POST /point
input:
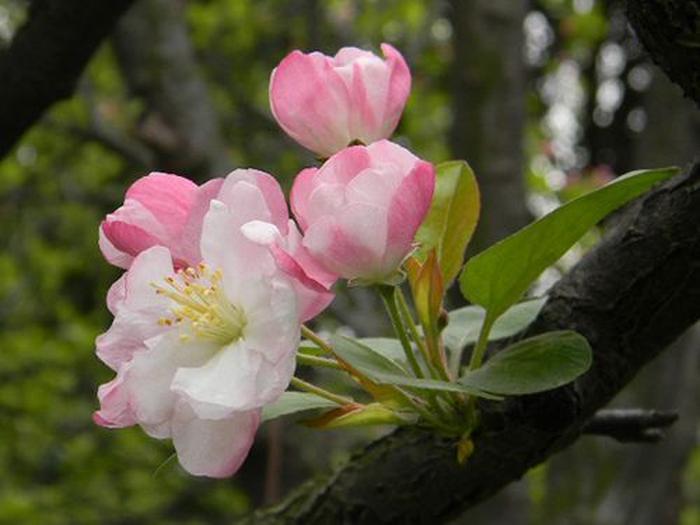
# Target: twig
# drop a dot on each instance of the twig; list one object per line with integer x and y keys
{"x": 631, "y": 425}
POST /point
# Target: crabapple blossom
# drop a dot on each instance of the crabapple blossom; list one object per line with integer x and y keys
{"x": 168, "y": 210}
{"x": 326, "y": 103}
{"x": 200, "y": 350}
{"x": 361, "y": 209}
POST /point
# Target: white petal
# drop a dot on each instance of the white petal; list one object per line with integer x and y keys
{"x": 272, "y": 316}
{"x": 151, "y": 374}
{"x": 234, "y": 379}
{"x": 214, "y": 448}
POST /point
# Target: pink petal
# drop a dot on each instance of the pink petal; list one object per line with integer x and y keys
{"x": 310, "y": 102}
{"x": 214, "y": 448}
{"x": 168, "y": 197}
{"x": 304, "y": 184}
{"x": 387, "y": 152}
{"x": 347, "y": 55}
{"x": 272, "y": 193}
{"x": 126, "y": 238}
{"x": 111, "y": 253}
{"x": 407, "y": 211}
{"x": 352, "y": 243}
{"x": 187, "y": 250}
{"x": 115, "y": 411}
{"x": 342, "y": 167}
{"x": 399, "y": 88}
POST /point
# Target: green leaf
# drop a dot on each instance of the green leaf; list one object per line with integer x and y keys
{"x": 385, "y": 371}
{"x": 465, "y": 323}
{"x": 360, "y": 416}
{"x": 292, "y": 402}
{"x": 363, "y": 358}
{"x": 500, "y": 275}
{"x": 533, "y": 365}
{"x": 434, "y": 385}
{"x": 452, "y": 217}
{"x": 389, "y": 348}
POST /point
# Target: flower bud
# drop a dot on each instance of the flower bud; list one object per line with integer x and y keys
{"x": 361, "y": 209}
{"x": 327, "y": 103}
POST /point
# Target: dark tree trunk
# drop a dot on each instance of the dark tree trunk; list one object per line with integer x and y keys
{"x": 46, "y": 58}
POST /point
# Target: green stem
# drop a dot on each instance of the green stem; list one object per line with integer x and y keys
{"x": 388, "y": 294}
{"x": 312, "y": 360}
{"x": 408, "y": 318}
{"x": 313, "y": 389}
{"x": 314, "y": 338}
{"x": 481, "y": 343}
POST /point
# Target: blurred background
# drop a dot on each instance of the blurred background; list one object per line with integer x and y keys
{"x": 545, "y": 99}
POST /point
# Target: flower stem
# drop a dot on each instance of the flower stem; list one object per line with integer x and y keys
{"x": 312, "y": 360}
{"x": 316, "y": 339}
{"x": 481, "y": 343}
{"x": 408, "y": 319}
{"x": 322, "y": 392}
{"x": 388, "y": 294}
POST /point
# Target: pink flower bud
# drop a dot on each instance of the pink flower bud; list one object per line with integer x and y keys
{"x": 327, "y": 103}
{"x": 361, "y": 209}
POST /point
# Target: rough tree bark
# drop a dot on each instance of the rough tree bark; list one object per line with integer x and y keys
{"x": 158, "y": 62}
{"x": 47, "y": 56}
{"x": 668, "y": 29}
{"x": 631, "y": 297}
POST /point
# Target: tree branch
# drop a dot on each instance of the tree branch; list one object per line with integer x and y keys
{"x": 631, "y": 296}
{"x": 46, "y": 58}
{"x": 634, "y": 425}
{"x": 669, "y": 31}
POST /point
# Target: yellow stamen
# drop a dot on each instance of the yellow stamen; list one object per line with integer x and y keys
{"x": 201, "y": 307}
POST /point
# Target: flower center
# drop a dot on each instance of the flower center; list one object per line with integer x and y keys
{"x": 201, "y": 306}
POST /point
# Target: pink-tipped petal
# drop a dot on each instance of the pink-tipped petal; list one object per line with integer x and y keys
{"x": 213, "y": 448}
{"x": 114, "y": 411}
{"x": 188, "y": 248}
{"x": 407, "y": 210}
{"x": 352, "y": 244}
{"x": 168, "y": 197}
{"x": 127, "y": 238}
{"x": 310, "y": 102}
{"x": 111, "y": 253}
{"x": 399, "y": 88}
{"x": 277, "y": 212}
{"x": 299, "y": 196}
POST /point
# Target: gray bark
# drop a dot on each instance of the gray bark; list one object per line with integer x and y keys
{"x": 157, "y": 59}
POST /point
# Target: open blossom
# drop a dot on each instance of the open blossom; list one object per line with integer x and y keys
{"x": 167, "y": 210}
{"x": 198, "y": 351}
{"x": 325, "y": 103}
{"x": 360, "y": 211}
